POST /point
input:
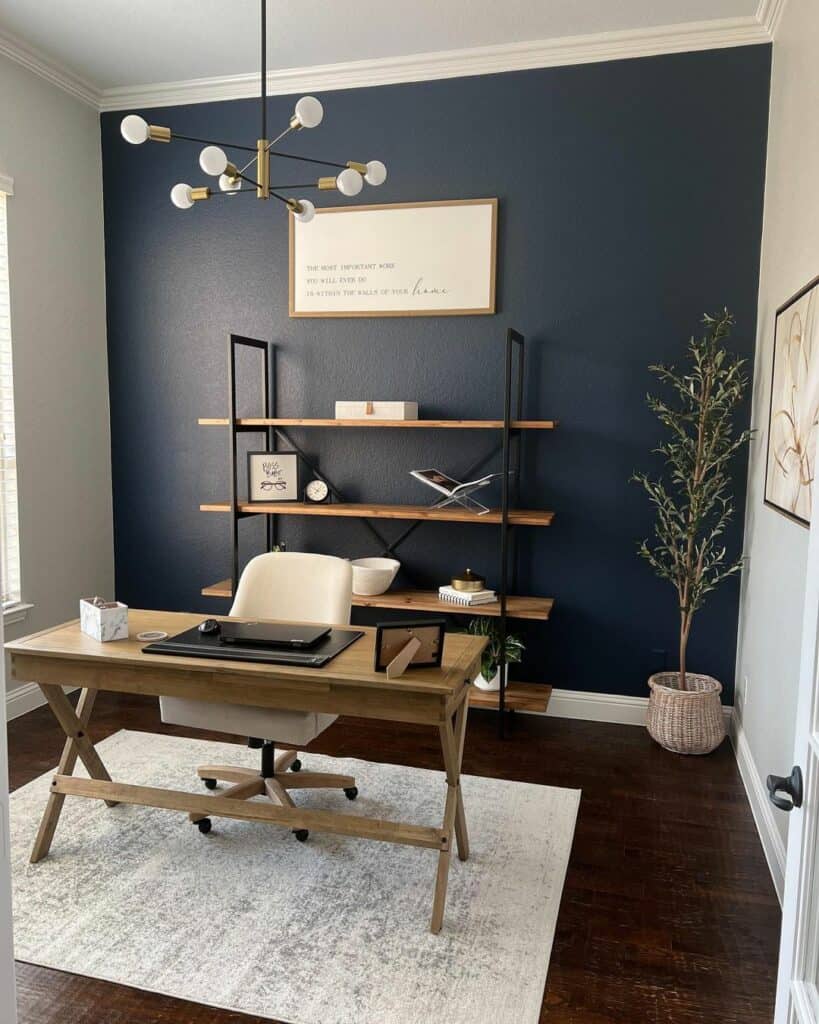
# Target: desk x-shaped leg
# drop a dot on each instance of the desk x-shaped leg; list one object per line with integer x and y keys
{"x": 453, "y": 733}
{"x": 77, "y": 744}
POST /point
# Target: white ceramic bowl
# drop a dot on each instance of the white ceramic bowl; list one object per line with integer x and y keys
{"x": 373, "y": 576}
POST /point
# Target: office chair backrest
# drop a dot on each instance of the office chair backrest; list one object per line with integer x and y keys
{"x": 297, "y": 586}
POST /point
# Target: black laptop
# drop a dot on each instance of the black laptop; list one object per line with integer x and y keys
{"x": 271, "y": 634}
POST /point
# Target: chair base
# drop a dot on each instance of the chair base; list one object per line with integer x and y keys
{"x": 273, "y": 782}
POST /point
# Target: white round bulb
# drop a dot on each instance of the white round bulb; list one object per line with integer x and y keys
{"x": 308, "y": 211}
{"x": 350, "y": 182}
{"x": 213, "y": 161}
{"x": 228, "y": 184}
{"x": 181, "y": 196}
{"x": 134, "y": 129}
{"x": 309, "y": 112}
{"x": 376, "y": 173}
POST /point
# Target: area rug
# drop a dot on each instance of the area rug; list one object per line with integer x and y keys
{"x": 331, "y": 931}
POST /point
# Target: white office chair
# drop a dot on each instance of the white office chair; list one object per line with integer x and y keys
{"x": 278, "y": 585}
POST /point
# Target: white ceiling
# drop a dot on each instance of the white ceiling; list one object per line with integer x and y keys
{"x": 120, "y": 43}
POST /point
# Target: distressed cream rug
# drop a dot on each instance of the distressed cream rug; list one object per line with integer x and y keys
{"x": 331, "y": 931}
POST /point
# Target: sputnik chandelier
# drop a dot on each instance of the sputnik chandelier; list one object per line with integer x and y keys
{"x": 347, "y": 178}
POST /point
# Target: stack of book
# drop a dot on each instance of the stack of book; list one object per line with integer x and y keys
{"x": 467, "y": 598}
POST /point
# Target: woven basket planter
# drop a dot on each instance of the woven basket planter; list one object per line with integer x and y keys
{"x": 685, "y": 721}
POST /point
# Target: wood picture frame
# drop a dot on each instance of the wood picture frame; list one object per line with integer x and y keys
{"x": 392, "y": 637}
{"x": 458, "y": 236}
{"x": 793, "y": 412}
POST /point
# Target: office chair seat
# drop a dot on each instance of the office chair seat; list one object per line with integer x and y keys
{"x": 278, "y": 585}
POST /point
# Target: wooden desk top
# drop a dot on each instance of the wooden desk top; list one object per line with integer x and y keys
{"x": 353, "y": 667}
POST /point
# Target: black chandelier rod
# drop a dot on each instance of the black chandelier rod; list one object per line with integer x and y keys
{"x": 264, "y": 70}
{"x": 210, "y": 142}
{"x": 306, "y": 159}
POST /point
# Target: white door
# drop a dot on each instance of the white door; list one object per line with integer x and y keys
{"x": 7, "y": 997}
{"x": 797, "y": 994}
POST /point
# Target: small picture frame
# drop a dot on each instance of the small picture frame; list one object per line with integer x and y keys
{"x": 392, "y": 637}
{"x": 272, "y": 476}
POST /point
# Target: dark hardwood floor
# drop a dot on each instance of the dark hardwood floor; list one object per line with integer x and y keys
{"x": 668, "y": 915}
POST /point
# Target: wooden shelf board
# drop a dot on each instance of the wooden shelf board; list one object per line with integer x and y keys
{"x": 520, "y": 696}
{"x": 517, "y": 517}
{"x": 418, "y": 424}
{"x": 427, "y": 601}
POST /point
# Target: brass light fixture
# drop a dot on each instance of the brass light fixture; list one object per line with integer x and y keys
{"x": 348, "y": 178}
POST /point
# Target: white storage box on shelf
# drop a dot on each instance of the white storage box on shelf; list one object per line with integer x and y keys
{"x": 107, "y": 622}
{"x": 376, "y": 410}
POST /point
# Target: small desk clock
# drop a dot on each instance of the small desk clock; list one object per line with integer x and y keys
{"x": 316, "y": 491}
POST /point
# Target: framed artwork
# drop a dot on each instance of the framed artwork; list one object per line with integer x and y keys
{"x": 400, "y": 259}
{"x": 391, "y": 638}
{"x": 272, "y": 476}
{"x": 793, "y": 420}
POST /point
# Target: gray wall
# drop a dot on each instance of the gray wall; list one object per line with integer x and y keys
{"x": 773, "y": 584}
{"x": 49, "y": 145}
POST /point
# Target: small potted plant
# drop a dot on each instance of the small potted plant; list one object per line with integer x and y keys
{"x": 489, "y": 676}
{"x": 693, "y": 507}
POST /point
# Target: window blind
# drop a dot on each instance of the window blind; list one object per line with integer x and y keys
{"x": 9, "y": 522}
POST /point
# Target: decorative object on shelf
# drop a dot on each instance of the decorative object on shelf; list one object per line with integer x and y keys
{"x": 793, "y": 417}
{"x": 376, "y": 410}
{"x": 455, "y": 492}
{"x": 373, "y": 576}
{"x": 398, "y": 645}
{"x": 468, "y": 582}
{"x": 466, "y": 598}
{"x": 348, "y": 178}
{"x": 510, "y": 646}
{"x": 272, "y": 476}
{"x": 317, "y": 491}
{"x": 103, "y": 620}
{"x": 404, "y": 259}
{"x": 693, "y": 512}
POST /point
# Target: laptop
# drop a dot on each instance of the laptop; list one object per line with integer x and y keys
{"x": 271, "y": 634}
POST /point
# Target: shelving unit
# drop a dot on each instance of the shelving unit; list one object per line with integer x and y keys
{"x": 512, "y": 695}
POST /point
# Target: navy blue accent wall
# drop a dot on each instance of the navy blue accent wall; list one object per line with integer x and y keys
{"x": 630, "y": 202}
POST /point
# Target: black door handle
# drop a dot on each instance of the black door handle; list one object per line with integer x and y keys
{"x": 791, "y": 784}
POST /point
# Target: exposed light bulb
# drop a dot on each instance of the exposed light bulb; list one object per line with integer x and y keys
{"x": 376, "y": 173}
{"x": 213, "y": 161}
{"x": 134, "y": 129}
{"x": 228, "y": 184}
{"x": 309, "y": 112}
{"x": 181, "y": 196}
{"x": 308, "y": 211}
{"x": 349, "y": 182}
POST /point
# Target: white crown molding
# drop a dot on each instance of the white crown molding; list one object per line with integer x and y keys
{"x": 15, "y": 49}
{"x": 769, "y": 14}
{"x": 421, "y": 67}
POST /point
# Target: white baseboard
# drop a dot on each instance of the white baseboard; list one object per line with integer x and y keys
{"x": 25, "y": 698}
{"x": 602, "y": 707}
{"x": 769, "y": 835}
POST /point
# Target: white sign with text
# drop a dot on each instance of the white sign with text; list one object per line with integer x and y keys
{"x": 408, "y": 259}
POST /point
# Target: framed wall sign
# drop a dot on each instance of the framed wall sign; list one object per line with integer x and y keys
{"x": 793, "y": 420}
{"x": 272, "y": 476}
{"x": 402, "y": 259}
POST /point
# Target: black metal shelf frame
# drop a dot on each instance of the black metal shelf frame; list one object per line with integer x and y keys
{"x": 509, "y": 448}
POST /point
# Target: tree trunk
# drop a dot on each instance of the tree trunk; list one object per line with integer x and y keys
{"x": 685, "y": 628}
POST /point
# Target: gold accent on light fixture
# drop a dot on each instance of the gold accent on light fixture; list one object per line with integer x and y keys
{"x": 356, "y": 166}
{"x": 325, "y": 184}
{"x": 294, "y": 206}
{"x": 202, "y": 192}
{"x": 263, "y": 169}
{"x": 232, "y": 172}
{"x": 158, "y": 133}
{"x": 295, "y": 123}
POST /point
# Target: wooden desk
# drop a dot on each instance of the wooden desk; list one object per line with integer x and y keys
{"x": 64, "y": 656}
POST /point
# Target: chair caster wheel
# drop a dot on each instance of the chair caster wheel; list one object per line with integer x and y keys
{"x": 204, "y": 825}
{"x": 210, "y": 783}
{"x": 301, "y": 834}
{"x": 295, "y": 766}
{"x": 351, "y": 792}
